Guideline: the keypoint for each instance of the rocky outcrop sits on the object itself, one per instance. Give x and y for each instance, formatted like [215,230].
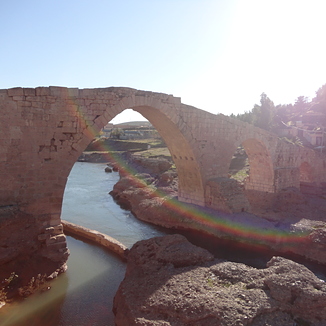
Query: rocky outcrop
[171,282]
[153,198]
[154,166]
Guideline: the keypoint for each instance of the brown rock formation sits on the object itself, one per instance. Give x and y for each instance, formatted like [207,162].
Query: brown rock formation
[154,200]
[171,282]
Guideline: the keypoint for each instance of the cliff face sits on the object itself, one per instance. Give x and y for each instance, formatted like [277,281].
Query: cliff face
[172,282]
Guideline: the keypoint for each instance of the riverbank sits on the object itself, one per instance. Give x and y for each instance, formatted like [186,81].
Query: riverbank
[95,209]
[297,227]
[149,188]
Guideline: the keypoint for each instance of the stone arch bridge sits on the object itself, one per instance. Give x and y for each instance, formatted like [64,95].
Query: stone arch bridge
[44,130]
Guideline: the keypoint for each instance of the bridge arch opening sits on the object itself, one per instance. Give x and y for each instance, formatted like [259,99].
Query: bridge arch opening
[261,176]
[307,178]
[306,173]
[190,185]
[239,168]
[251,178]
[251,165]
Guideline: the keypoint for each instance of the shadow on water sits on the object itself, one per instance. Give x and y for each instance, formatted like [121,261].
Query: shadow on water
[255,256]
[39,309]
[81,296]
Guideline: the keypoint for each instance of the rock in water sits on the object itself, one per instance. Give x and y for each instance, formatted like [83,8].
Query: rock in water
[172,282]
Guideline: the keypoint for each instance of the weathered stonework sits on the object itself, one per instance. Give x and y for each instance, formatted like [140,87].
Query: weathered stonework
[99,238]
[44,130]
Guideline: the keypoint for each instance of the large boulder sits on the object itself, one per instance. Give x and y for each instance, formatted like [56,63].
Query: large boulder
[171,282]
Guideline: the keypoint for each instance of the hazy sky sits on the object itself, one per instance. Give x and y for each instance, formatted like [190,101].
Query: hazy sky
[217,55]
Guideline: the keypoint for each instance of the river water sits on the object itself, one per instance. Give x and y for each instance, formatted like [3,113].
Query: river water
[84,294]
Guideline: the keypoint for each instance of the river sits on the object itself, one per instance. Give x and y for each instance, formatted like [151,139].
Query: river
[84,294]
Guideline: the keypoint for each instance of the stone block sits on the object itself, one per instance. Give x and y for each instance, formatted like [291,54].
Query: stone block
[18,98]
[42,237]
[29,91]
[52,99]
[73,92]
[56,239]
[87,92]
[54,230]
[42,91]
[24,103]
[58,91]
[101,121]
[17,91]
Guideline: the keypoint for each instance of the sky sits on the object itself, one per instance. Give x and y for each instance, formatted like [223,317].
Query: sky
[217,55]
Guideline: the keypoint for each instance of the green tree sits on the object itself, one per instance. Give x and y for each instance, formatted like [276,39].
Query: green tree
[282,114]
[301,105]
[263,114]
[319,102]
[117,133]
[320,95]
[246,117]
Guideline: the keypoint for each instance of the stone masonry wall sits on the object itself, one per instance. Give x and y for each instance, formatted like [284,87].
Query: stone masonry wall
[44,130]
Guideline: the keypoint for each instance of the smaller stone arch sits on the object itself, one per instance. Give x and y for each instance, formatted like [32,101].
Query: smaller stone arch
[259,186]
[306,172]
[261,176]
[229,195]
[307,178]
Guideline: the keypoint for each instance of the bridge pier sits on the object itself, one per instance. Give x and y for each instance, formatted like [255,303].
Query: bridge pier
[29,245]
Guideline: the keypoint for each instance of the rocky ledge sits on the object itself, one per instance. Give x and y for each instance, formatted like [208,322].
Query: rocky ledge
[297,228]
[172,282]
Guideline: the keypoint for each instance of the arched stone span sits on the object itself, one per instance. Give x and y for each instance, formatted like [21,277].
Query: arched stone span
[44,130]
[190,178]
[226,194]
[162,115]
[48,127]
[306,172]
[261,177]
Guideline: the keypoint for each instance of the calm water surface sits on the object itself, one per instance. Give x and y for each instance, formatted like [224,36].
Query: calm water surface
[87,202]
[84,294]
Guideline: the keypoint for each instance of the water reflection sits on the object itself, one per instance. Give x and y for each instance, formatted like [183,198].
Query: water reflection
[81,296]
